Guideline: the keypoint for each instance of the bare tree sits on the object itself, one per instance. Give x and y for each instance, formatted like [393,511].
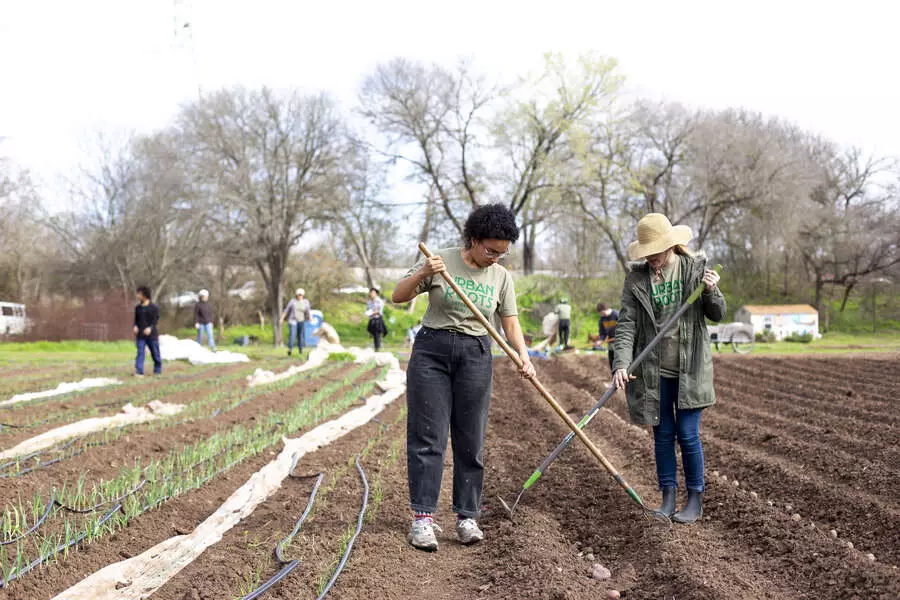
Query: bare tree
[850,228]
[359,217]
[271,158]
[430,117]
[22,253]
[137,217]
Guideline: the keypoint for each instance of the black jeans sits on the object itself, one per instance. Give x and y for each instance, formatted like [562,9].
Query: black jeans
[448,388]
[564,332]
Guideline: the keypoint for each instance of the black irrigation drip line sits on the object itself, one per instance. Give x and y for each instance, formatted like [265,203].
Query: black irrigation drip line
[41,560]
[359,525]
[22,459]
[287,565]
[54,502]
[41,465]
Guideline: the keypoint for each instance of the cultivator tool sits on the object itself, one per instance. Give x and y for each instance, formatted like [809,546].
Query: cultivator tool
[540,387]
[603,399]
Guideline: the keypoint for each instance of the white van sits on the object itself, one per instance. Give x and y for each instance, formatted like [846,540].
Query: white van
[12,318]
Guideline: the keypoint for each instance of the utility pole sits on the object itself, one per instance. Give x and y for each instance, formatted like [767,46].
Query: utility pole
[183,32]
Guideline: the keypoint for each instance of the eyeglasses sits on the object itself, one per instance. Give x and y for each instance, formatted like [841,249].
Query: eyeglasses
[493,253]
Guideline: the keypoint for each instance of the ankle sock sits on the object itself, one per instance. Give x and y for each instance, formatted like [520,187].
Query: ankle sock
[423,515]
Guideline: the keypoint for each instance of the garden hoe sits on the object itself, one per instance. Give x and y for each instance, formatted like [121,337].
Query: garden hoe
[606,396]
[576,430]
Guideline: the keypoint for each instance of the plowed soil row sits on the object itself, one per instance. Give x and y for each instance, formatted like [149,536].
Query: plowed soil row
[36,378]
[105,462]
[244,558]
[744,548]
[106,401]
[853,492]
[875,392]
[176,516]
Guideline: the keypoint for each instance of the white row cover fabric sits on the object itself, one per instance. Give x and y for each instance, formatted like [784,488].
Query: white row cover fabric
[130,415]
[63,388]
[141,576]
[171,348]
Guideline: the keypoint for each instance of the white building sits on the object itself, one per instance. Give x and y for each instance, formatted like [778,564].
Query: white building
[781,319]
[12,318]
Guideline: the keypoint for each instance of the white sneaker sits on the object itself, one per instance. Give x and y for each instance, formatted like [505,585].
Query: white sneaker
[421,534]
[467,531]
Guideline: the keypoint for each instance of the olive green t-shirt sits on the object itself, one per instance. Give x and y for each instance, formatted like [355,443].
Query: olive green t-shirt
[564,310]
[490,289]
[666,293]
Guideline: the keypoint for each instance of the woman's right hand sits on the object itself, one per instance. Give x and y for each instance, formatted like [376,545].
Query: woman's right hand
[432,266]
[621,378]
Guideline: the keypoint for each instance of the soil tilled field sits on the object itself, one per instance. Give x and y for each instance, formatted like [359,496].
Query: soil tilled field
[801,502]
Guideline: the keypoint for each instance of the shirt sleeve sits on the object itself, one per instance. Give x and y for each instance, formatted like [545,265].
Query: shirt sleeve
[425,284]
[507,302]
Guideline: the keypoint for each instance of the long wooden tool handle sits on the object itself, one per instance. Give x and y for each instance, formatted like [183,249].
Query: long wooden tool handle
[534,380]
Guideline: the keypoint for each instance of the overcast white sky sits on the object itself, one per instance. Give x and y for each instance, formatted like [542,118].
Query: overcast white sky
[69,68]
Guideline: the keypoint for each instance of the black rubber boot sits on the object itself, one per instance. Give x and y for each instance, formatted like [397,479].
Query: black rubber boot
[667,508]
[692,511]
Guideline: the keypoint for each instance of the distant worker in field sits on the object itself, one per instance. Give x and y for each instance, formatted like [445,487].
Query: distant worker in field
[564,311]
[672,386]
[203,319]
[375,311]
[146,317]
[297,313]
[607,329]
[450,369]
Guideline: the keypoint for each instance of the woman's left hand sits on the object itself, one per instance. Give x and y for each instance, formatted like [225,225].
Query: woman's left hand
[711,279]
[527,369]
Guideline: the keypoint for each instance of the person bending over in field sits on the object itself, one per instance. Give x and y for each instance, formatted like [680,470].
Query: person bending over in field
[449,373]
[146,317]
[607,330]
[672,386]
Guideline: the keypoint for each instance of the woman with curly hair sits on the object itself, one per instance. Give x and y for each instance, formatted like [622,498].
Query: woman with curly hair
[449,373]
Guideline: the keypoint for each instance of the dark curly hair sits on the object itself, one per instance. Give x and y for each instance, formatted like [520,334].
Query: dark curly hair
[490,221]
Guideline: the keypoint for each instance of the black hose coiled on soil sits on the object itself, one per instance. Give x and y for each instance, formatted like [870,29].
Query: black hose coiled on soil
[41,560]
[359,524]
[287,565]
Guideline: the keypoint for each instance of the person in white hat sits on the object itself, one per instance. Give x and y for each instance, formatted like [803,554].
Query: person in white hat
[203,319]
[297,313]
[672,386]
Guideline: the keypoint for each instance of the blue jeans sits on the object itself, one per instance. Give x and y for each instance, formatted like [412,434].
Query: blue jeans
[153,345]
[296,336]
[208,329]
[448,390]
[683,424]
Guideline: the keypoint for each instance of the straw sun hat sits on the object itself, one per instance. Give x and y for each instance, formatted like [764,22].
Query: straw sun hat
[656,234]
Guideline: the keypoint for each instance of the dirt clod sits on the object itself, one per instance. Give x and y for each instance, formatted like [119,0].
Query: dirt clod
[795,517]
[613,594]
[600,573]
[833,533]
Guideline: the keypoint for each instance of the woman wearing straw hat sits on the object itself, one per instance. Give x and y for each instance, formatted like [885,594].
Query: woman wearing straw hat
[673,385]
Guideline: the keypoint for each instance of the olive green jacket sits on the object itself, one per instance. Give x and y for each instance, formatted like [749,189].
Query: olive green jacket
[637,326]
